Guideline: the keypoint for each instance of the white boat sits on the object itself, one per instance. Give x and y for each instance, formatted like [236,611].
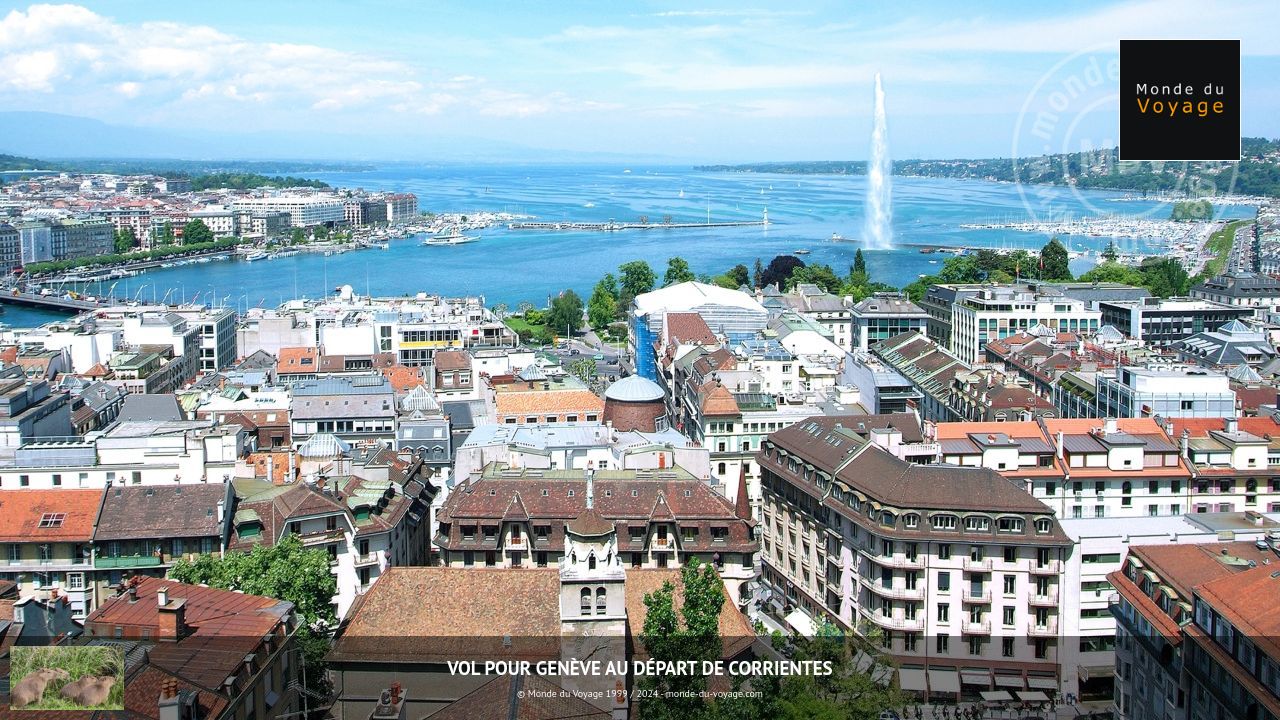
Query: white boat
[452,238]
[802,252]
[255,255]
[836,237]
[589,205]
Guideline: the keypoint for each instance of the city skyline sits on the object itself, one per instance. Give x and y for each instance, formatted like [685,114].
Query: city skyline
[664,82]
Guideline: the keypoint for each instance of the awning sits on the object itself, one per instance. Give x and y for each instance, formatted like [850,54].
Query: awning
[911,679]
[1044,683]
[1033,696]
[996,696]
[944,681]
[1095,671]
[976,677]
[1009,681]
[801,623]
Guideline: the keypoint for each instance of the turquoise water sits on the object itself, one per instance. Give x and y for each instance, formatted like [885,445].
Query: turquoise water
[513,265]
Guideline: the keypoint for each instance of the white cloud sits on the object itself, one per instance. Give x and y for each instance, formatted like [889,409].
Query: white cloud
[129,89]
[29,71]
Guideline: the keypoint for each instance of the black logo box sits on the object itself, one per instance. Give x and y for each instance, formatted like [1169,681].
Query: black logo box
[1185,67]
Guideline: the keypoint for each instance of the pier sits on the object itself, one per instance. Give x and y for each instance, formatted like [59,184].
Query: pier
[612,226]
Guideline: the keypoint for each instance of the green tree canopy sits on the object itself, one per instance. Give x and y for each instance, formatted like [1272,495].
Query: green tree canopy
[821,275]
[196,232]
[1054,261]
[602,308]
[739,275]
[125,241]
[1111,254]
[859,262]
[637,278]
[668,639]
[779,271]
[677,272]
[565,313]
[286,571]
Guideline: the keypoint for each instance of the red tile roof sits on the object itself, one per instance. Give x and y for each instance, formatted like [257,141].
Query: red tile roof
[1200,427]
[62,515]
[452,360]
[298,360]
[402,378]
[685,328]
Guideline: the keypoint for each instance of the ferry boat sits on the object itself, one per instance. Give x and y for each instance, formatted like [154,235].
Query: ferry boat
[802,252]
[836,237]
[255,255]
[452,238]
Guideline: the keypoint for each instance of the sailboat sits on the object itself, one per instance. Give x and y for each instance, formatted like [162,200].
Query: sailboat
[681,192]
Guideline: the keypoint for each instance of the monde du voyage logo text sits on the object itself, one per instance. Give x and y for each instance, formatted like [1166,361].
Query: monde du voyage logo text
[1179,100]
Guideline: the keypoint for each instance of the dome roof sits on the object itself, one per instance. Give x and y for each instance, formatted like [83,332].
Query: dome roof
[323,445]
[634,388]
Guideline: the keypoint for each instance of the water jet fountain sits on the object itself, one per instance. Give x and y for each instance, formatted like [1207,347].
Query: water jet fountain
[877,233]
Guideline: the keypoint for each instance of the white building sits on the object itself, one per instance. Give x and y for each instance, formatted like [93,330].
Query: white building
[1164,390]
[304,210]
[222,222]
[997,312]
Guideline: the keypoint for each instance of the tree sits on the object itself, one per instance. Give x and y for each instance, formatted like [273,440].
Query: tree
[779,271]
[739,275]
[125,241]
[584,368]
[1165,277]
[565,313]
[857,687]
[166,235]
[501,310]
[821,275]
[297,236]
[523,308]
[677,272]
[1110,254]
[602,308]
[286,571]
[321,232]
[1054,261]
[859,262]
[1113,272]
[196,232]
[637,279]
[666,639]
[757,274]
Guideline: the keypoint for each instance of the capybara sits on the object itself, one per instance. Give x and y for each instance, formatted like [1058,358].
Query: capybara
[89,690]
[31,688]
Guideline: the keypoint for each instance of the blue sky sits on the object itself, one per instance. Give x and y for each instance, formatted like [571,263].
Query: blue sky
[688,80]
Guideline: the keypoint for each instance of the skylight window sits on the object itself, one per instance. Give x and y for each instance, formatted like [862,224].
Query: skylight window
[52,520]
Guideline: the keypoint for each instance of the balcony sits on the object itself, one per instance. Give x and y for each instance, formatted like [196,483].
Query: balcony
[977,596]
[517,543]
[128,561]
[1048,628]
[367,559]
[972,565]
[663,544]
[324,537]
[1043,600]
[893,561]
[50,564]
[982,627]
[897,623]
[1052,567]
[896,593]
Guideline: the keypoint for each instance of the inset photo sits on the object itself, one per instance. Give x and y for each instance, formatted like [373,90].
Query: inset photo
[86,677]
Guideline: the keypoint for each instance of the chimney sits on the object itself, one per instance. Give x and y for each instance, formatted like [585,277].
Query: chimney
[1185,443]
[1059,445]
[172,620]
[162,595]
[1110,426]
[391,704]
[591,487]
[133,594]
[1232,424]
[222,510]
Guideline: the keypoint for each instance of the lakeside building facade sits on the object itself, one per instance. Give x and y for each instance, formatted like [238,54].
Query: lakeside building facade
[1255,291]
[304,210]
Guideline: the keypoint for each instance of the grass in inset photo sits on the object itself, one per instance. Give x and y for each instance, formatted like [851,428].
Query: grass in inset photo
[83,677]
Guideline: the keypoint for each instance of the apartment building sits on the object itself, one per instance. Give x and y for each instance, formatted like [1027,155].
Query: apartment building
[401,207]
[352,408]
[996,312]
[930,368]
[517,517]
[958,568]
[208,653]
[882,316]
[366,523]
[1235,463]
[10,248]
[813,303]
[48,543]
[1195,629]
[1255,291]
[30,410]
[1164,390]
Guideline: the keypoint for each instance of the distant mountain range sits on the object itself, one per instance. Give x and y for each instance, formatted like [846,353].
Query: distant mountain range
[52,136]
[1258,170]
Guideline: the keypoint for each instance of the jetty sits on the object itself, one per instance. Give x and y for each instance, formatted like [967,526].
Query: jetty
[614,226]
